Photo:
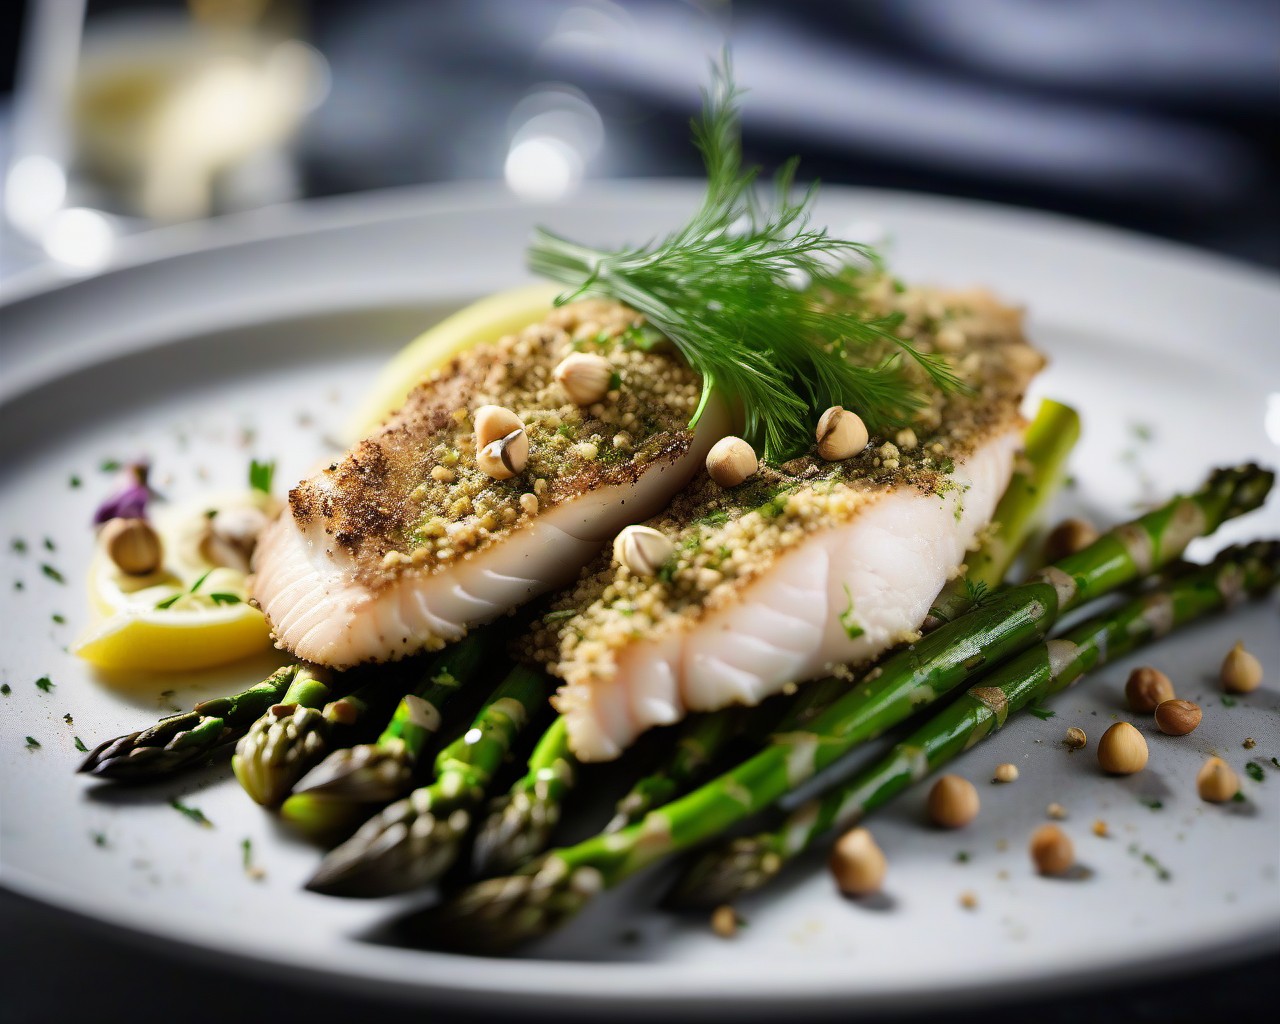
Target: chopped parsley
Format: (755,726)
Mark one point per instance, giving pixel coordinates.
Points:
(246,853)
(6,689)
(44,683)
(220,598)
(1151,802)
(33,743)
(99,838)
(110,465)
(194,813)
(80,745)
(52,573)
(851,628)
(1149,859)
(49,545)
(1275,762)
(261,474)
(59,618)
(962,857)
(18,546)
(1042,713)
(74,481)
(1254,771)
(170,601)
(560,616)
(1228,702)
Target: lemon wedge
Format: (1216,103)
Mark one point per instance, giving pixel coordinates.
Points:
(189,614)
(487,320)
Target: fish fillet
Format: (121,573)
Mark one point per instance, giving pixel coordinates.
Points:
(403,544)
(809,566)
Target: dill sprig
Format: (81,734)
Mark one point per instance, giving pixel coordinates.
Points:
(761,303)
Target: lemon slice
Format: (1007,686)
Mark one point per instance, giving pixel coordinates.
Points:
(487,320)
(189,614)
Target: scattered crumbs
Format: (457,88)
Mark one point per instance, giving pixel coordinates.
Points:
(246,856)
(1149,859)
(1042,713)
(1254,771)
(1100,829)
(80,745)
(49,545)
(1249,743)
(1003,874)
(6,689)
(59,618)
(962,856)
(52,573)
(33,743)
(969,900)
(1228,702)
(73,481)
(109,465)
(99,838)
(1151,802)
(18,546)
(1002,845)
(1056,811)
(45,684)
(194,813)
(305,419)
(67,718)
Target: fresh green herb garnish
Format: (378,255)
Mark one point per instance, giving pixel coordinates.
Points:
(74,481)
(1152,802)
(168,602)
(560,616)
(99,838)
(1228,702)
(33,743)
(260,475)
(1238,797)
(1254,771)
(173,599)
(851,628)
(59,618)
(977,592)
(1162,872)
(1276,762)
(6,689)
(194,813)
(18,545)
(109,465)
(220,598)
(962,857)
(44,683)
(80,745)
(246,853)
(49,544)
(763,305)
(1042,713)
(52,573)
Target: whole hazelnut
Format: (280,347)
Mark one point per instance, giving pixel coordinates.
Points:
(1177,717)
(841,434)
(1146,687)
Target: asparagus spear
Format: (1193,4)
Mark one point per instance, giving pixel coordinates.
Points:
(750,862)
(521,821)
(294,734)
(416,839)
(1049,440)
(504,912)
(182,740)
(337,793)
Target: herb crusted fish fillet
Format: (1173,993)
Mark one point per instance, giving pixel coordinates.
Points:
(404,543)
(809,565)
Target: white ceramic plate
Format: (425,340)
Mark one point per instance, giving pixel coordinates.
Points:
(200,348)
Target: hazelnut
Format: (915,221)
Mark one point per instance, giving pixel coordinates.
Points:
(1177,717)
(1051,850)
(953,802)
(505,457)
(1122,750)
(724,921)
(1068,537)
(1006,773)
(1146,687)
(730,461)
(857,863)
(841,434)
(492,423)
(585,377)
(1075,738)
(642,549)
(1241,671)
(133,546)
(1216,782)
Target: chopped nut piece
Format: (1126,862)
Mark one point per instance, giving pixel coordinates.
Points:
(1068,537)
(1177,717)
(1146,687)
(1100,829)
(1249,743)
(969,900)
(1216,782)
(724,921)
(1056,811)
(1051,850)
(1241,671)
(1122,750)
(731,461)
(642,549)
(841,434)
(133,546)
(857,863)
(1075,738)
(1006,772)
(953,802)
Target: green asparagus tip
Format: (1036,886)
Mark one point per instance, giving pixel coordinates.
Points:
(723,874)
(396,851)
(277,750)
(497,915)
(364,774)
(518,828)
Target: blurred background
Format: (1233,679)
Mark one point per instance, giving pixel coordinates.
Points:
(115,116)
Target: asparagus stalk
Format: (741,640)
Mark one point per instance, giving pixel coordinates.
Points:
(337,793)
(521,821)
(294,734)
(504,912)
(742,865)
(1049,441)
(183,740)
(416,839)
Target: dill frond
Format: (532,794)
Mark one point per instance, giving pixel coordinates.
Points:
(760,302)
